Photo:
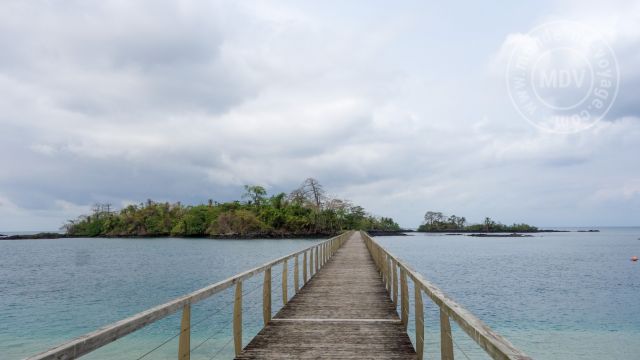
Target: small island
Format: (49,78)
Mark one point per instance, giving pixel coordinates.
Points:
(305,212)
(435,221)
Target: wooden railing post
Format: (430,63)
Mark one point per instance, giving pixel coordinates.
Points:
(285,273)
(333,248)
(381,259)
(379,250)
(296,275)
(316,261)
(327,250)
(374,254)
(419,321)
(184,345)
(237,319)
(404,301)
(324,253)
(266,297)
(328,247)
(304,268)
(446,339)
(394,271)
(385,265)
(311,262)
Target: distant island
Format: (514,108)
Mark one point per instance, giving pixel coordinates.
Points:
(437,222)
(305,212)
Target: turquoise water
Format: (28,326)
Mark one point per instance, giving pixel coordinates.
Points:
(54,290)
(555,295)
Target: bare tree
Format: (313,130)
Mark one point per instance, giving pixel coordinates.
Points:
(337,204)
(99,210)
(314,192)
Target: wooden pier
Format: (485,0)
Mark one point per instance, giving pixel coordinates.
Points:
(346,292)
(344,312)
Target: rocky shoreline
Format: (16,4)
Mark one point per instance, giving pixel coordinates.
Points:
(38,236)
(499,235)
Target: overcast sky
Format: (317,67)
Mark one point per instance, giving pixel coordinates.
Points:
(401,107)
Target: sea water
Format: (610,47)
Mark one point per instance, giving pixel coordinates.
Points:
(54,290)
(571,295)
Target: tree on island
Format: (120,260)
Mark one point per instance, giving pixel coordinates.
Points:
(438,222)
(307,210)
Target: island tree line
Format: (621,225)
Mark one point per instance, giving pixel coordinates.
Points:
(435,221)
(307,210)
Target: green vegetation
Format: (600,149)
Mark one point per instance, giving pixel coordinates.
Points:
(305,211)
(438,222)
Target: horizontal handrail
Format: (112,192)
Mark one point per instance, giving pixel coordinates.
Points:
(86,343)
(495,345)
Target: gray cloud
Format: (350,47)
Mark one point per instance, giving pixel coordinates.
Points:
(120,102)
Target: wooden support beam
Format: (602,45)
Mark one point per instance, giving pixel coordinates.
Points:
(394,274)
(324,254)
(266,297)
(387,274)
(419,311)
(285,274)
(404,301)
(446,338)
(184,345)
(296,274)
(304,268)
(237,319)
(311,263)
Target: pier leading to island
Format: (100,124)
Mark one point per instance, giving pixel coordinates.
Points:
(351,300)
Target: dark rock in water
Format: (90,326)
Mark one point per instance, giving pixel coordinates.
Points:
(500,235)
(3,235)
(453,234)
(38,236)
(588,230)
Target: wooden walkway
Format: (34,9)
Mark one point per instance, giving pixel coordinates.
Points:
(343,312)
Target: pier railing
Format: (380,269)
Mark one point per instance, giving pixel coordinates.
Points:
(312,258)
(395,274)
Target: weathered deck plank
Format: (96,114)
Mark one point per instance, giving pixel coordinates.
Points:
(343,312)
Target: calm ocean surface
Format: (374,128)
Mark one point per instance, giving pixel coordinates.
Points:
(555,296)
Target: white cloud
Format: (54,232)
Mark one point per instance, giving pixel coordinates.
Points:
(120,102)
